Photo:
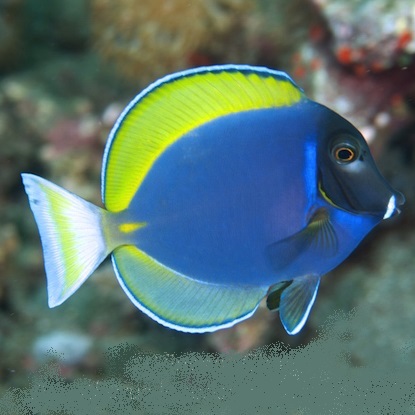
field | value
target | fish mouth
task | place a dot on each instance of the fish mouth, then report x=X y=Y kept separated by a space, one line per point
x=370 y=196
x=396 y=200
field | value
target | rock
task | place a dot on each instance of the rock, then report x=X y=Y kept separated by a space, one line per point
x=66 y=347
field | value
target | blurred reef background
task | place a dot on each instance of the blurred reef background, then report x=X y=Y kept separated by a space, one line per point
x=67 y=69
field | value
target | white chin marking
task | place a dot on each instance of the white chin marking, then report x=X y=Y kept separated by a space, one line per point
x=391 y=207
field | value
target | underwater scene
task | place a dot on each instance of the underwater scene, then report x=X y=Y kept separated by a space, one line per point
x=207 y=206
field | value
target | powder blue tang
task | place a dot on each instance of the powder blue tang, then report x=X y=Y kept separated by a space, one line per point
x=222 y=185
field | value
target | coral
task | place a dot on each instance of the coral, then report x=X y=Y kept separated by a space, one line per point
x=72 y=134
x=160 y=37
x=360 y=61
x=371 y=35
x=285 y=28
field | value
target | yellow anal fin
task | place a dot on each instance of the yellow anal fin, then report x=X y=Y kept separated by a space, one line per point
x=179 y=302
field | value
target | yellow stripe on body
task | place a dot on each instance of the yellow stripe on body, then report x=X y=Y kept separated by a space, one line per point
x=174 y=108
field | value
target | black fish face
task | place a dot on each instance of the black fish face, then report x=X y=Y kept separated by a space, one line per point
x=349 y=177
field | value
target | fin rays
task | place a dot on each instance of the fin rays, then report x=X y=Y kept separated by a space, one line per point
x=179 y=302
x=296 y=302
x=71 y=236
x=319 y=236
x=173 y=106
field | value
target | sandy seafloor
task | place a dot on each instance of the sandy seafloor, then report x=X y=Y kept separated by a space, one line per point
x=65 y=75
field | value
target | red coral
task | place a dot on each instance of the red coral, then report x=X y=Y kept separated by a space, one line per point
x=73 y=133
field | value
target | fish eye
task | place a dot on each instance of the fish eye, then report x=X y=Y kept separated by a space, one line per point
x=344 y=152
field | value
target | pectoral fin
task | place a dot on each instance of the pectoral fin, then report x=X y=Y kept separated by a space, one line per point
x=296 y=301
x=319 y=236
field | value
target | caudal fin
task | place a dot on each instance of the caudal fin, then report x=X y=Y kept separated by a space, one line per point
x=71 y=233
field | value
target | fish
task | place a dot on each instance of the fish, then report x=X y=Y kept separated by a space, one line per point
x=221 y=186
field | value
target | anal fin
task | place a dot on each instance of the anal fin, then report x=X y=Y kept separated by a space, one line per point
x=179 y=302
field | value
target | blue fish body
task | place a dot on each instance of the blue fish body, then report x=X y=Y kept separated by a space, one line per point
x=221 y=185
x=237 y=181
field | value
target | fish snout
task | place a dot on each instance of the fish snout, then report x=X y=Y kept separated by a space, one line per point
x=396 y=200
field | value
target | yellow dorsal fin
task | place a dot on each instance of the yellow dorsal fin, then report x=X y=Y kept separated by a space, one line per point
x=173 y=106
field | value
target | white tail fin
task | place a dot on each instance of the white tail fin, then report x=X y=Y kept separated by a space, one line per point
x=71 y=233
